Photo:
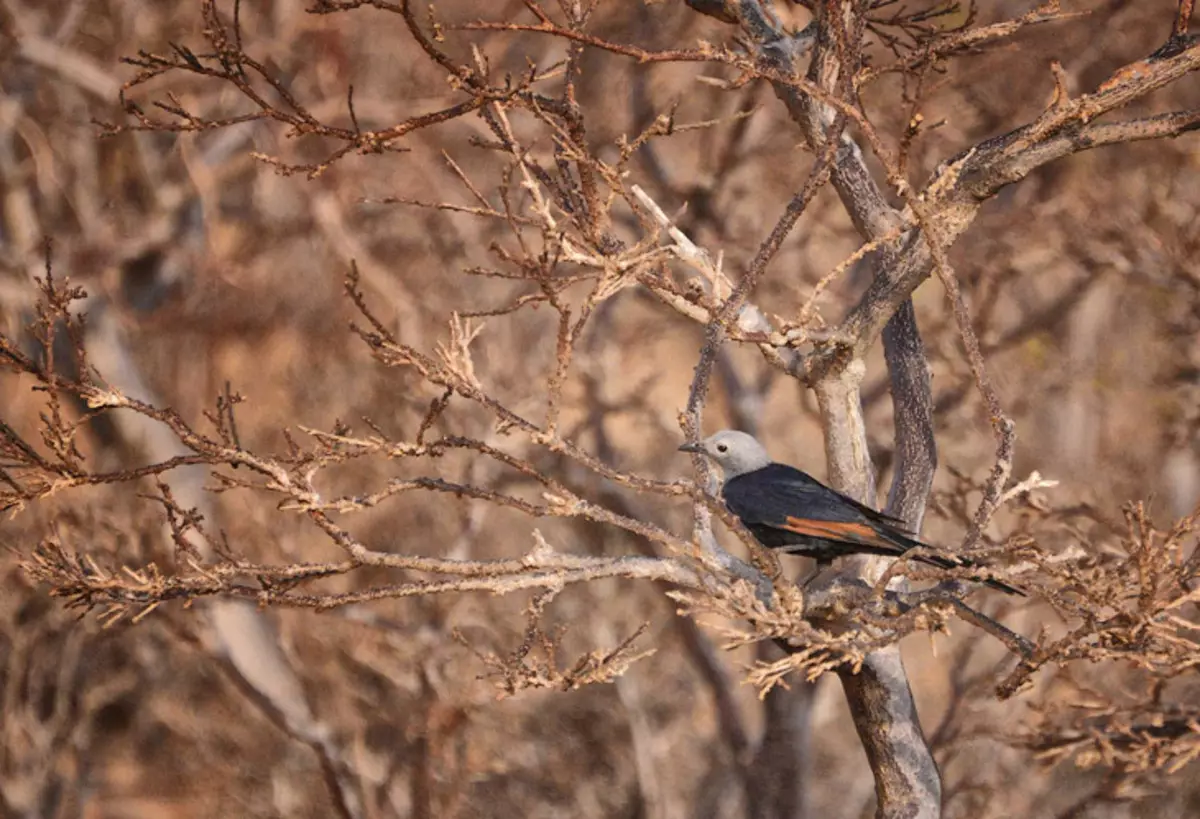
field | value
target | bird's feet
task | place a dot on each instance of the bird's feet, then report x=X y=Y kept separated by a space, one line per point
x=820 y=567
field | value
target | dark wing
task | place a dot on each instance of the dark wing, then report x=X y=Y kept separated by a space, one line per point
x=777 y=491
x=785 y=508
x=867 y=512
x=857 y=533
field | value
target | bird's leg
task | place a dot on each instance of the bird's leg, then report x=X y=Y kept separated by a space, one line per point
x=821 y=565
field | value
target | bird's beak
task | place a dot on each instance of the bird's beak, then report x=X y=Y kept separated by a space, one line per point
x=697 y=448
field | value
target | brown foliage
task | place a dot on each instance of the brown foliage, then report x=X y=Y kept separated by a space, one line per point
x=264 y=369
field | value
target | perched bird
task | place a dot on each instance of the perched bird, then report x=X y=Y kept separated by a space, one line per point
x=789 y=510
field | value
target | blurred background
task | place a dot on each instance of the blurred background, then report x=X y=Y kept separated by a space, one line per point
x=205 y=268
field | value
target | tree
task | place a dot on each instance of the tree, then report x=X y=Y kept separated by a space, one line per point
x=527 y=395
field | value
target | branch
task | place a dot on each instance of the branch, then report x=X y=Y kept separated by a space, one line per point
x=912 y=412
x=907 y=782
x=139 y=591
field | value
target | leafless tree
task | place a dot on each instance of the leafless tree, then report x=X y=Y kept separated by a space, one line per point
x=498 y=390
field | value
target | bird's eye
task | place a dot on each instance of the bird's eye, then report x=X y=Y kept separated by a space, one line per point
x=722 y=448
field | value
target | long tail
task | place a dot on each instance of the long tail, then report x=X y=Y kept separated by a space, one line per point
x=954 y=562
x=964 y=563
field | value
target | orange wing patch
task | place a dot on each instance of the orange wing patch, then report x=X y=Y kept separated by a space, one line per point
x=835 y=530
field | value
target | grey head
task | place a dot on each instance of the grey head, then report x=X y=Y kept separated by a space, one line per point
x=735 y=452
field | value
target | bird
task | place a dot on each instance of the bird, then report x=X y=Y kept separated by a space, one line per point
x=787 y=509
